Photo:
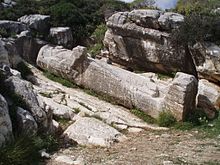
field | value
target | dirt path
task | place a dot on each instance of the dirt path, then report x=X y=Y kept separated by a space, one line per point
x=152 y=148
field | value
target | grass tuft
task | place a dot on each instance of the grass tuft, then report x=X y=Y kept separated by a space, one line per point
x=60 y=80
x=166 y=119
x=143 y=116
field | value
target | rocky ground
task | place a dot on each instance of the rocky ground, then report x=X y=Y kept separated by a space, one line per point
x=150 y=147
x=141 y=144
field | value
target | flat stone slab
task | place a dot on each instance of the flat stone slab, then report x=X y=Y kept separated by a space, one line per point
x=90 y=131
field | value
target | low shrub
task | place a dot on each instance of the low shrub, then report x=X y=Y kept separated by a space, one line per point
x=166 y=119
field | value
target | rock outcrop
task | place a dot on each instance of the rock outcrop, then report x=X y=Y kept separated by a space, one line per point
x=37 y=22
x=140 y=39
x=25 y=122
x=207 y=60
x=13 y=27
x=61 y=36
x=3 y=54
x=90 y=131
x=23 y=90
x=5 y=122
x=208 y=98
x=127 y=88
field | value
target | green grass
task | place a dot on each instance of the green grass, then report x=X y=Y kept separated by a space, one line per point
x=166 y=76
x=24 y=150
x=140 y=114
x=166 y=119
x=60 y=80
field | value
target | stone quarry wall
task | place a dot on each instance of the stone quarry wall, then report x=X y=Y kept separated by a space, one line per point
x=127 y=88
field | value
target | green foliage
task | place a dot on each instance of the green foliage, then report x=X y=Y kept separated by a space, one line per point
x=19 y=152
x=3 y=32
x=204 y=7
x=98 y=36
x=83 y=16
x=24 y=70
x=166 y=119
x=137 y=4
x=95 y=49
x=24 y=150
x=60 y=80
x=196 y=28
x=143 y=116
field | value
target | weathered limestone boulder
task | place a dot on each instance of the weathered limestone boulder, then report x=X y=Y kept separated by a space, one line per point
x=127 y=88
x=13 y=26
x=61 y=36
x=13 y=53
x=24 y=90
x=140 y=40
x=90 y=131
x=28 y=48
x=180 y=99
x=62 y=61
x=25 y=122
x=3 y=54
x=208 y=98
x=207 y=59
x=59 y=110
x=5 y=122
x=170 y=20
x=40 y=23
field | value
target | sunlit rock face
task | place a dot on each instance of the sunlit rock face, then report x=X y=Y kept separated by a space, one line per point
x=140 y=40
x=126 y=88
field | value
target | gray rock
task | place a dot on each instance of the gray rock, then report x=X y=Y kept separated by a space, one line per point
x=145 y=18
x=40 y=23
x=24 y=90
x=170 y=20
x=181 y=97
x=26 y=123
x=127 y=88
x=28 y=48
x=136 y=41
x=64 y=62
x=3 y=54
x=5 y=122
x=13 y=53
x=207 y=59
x=208 y=98
x=90 y=131
x=13 y=26
x=61 y=36
x=59 y=110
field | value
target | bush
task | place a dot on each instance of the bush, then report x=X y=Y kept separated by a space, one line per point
x=166 y=119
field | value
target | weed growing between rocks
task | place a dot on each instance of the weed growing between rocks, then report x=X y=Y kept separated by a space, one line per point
x=166 y=119
x=60 y=80
x=143 y=116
